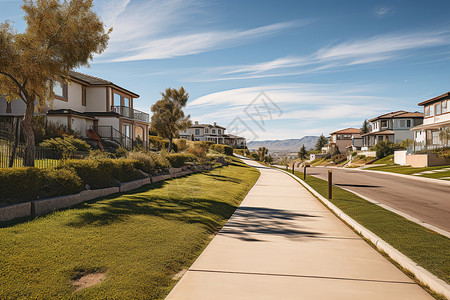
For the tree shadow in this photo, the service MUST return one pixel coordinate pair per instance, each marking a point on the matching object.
(253, 223)
(223, 178)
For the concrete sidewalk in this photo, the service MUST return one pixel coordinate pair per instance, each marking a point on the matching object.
(282, 243)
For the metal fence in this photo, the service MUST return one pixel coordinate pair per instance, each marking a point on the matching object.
(44, 158)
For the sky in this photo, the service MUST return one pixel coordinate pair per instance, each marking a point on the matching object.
(275, 69)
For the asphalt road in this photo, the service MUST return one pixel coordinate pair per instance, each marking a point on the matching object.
(428, 202)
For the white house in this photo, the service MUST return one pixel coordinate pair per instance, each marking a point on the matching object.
(213, 133)
(88, 102)
(437, 119)
(394, 127)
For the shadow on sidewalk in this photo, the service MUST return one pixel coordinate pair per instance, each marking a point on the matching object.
(247, 223)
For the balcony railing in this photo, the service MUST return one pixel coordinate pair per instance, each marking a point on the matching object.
(131, 113)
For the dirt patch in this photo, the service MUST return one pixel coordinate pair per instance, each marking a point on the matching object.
(86, 279)
(179, 274)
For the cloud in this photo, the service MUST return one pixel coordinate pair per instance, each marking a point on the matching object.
(383, 11)
(157, 29)
(380, 48)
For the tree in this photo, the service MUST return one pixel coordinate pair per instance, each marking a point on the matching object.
(262, 152)
(384, 148)
(303, 154)
(168, 117)
(444, 135)
(365, 127)
(321, 142)
(58, 38)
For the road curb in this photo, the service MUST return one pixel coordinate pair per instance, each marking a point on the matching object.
(424, 276)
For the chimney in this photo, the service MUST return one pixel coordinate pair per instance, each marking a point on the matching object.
(196, 122)
(215, 124)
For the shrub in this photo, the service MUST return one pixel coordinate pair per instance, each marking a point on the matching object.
(148, 162)
(354, 153)
(158, 143)
(124, 169)
(66, 146)
(254, 155)
(99, 154)
(121, 152)
(204, 144)
(384, 148)
(177, 160)
(361, 156)
(241, 152)
(25, 184)
(337, 158)
(224, 149)
(181, 144)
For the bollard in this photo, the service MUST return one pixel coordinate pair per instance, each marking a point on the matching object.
(330, 184)
(293, 168)
(287, 168)
(304, 173)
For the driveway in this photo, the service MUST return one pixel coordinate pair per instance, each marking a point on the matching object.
(428, 202)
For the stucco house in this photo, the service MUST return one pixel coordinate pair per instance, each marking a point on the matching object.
(436, 119)
(343, 139)
(213, 133)
(89, 102)
(394, 127)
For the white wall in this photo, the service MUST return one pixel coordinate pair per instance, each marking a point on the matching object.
(58, 120)
(419, 136)
(109, 121)
(96, 99)
(400, 157)
(74, 99)
(79, 125)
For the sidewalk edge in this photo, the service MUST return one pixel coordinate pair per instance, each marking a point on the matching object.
(427, 278)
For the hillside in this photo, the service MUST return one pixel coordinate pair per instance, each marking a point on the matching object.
(290, 145)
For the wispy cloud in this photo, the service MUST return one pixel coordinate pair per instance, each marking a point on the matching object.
(383, 11)
(377, 49)
(157, 29)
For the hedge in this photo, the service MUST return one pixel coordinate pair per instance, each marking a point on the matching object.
(158, 143)
(224, 149)
(148, 162)
(177, 160)
(26, 184)
(103, 173)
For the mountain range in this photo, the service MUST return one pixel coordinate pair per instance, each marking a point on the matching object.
(289, 145)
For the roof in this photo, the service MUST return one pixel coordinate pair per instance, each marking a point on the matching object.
(206, 126)
(399, 114)
(385, 132)
(436, 125)
(347, 131)
(440, 97)
(232, 136)
(92, 80)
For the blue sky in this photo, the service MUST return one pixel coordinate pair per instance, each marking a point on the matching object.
(324, 65)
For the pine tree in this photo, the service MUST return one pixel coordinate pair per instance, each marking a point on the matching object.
(321, 142)
(303, 154)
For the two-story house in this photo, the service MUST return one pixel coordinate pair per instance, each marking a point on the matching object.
(394, 127)
(436, 120)
(213, 133)
(88, 102)
(342, 140)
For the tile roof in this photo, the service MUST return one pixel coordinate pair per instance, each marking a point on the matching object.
(398, 114)
(385, 132)
(206, 126)
(347, 131)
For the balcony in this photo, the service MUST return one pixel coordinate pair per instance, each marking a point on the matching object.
(131, 113)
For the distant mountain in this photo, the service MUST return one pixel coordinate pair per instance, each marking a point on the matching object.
(290, 145)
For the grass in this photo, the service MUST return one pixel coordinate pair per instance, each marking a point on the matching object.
(140, 239)
(425, 247)
(407, 170)
(388, 160)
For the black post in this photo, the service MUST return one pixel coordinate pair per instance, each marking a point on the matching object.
(287, 168)
(293, 164)
(304, 173)
(330, 184)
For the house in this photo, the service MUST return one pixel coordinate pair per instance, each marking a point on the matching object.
(213, 133)
(88, 102)
(436, 120)
(343, 140)
(394, 127)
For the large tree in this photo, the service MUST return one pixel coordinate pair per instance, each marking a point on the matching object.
(321, 141)
(365, 127)
(168, 118)
(302, 154)
(262, 152)
(59, 36)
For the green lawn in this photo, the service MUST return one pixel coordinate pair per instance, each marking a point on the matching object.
(410, 170)
(388, 160)
(140, 239)
(427, 248)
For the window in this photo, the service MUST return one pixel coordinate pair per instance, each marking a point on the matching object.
(427, 111)
(83, 95)
(197, 131)
(116, 100)
(126, 102)
(431, 110)
(438, 108)
(219, 131)
(206, 130)
(384, 123)
(213, 131)
(445, 106)
(408, 123)
(60, 90)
